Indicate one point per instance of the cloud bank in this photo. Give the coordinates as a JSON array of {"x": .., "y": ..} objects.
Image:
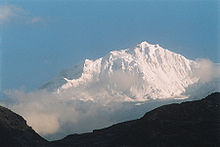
[
  {"x": 208, "y": 74},
  {"x": 54, "y": 117}
]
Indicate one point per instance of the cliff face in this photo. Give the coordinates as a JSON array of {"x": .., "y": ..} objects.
[
  {"x": 195, "y": 123},
  {"x": 15, "y": 132}
]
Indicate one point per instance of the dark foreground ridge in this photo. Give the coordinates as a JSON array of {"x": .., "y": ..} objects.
[
  {"x": 189, "y": 124},
  {"x": 14, "y": 132}
]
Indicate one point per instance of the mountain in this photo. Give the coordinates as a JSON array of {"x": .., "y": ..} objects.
[
  {"x": 144, "y": 72},
  {"x": 15, "y": 132},
  {"x": 193, "y": 123}
]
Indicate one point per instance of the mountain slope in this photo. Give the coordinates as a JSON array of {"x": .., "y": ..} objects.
[
  {"x": 195, "y": 123},
  {"x": 15, "y": 132},
  {"x": 136, "y": 74}
]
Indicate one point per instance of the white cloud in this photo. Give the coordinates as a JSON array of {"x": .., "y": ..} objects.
[
  {"x": 55, "y": 116},
  {"x": 206, "y": 70},
  {"x": 11, "y": 13},
  {"x": 208, "y": 74},
  {"x": 73, "y": 110}
]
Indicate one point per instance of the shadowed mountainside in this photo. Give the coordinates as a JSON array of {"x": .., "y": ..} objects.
[
  {"x": 14, "y": 131},
  {"x": 194, "y": 123}
]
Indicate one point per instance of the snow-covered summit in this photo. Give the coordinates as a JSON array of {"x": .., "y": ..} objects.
[{"x": 136, "y": 74}]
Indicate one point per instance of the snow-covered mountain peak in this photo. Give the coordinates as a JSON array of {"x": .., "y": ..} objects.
[
  {"x": 148, "y": 47},
  {"x": 135, "y": 74},
  {"x": 145, "y": 44}
]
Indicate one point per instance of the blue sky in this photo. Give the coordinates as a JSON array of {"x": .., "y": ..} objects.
[{"x": 40, "y": 38}]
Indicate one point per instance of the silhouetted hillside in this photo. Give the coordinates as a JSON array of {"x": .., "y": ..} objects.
[
  {"x": 189, "y": 124},
  {"x": 14, "y": 132}
]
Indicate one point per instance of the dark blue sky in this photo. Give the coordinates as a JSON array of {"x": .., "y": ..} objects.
[{"x": 40, "y": 38}]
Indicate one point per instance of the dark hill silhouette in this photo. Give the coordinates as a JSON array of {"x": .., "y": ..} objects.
[
  {"x": 191, "y": 124},
  {"x": 14, "y": 132}
]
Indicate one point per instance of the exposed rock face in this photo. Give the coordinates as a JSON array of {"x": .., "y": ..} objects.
[
  {"x": 191, "y": 124},
  {"x": 14, "y": 131}
]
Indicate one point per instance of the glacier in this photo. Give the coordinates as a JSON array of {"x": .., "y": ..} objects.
[{"x": 137, "y": 74}]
